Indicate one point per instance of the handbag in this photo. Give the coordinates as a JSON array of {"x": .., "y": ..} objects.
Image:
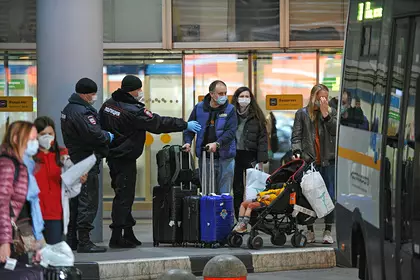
[{"x": 23, "y": 236}]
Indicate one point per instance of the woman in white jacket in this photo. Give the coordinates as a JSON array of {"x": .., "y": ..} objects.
[{"x": 54, "y": 196}]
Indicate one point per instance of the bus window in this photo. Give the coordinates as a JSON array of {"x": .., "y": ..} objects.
[
  {"x": 409, "y": 143},
  {"x": 394, "y": 117}
]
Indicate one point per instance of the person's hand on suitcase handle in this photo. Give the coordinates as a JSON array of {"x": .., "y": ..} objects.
[
  {"x": 212, "y": 147},
  {"x": 186, "y": 148}
]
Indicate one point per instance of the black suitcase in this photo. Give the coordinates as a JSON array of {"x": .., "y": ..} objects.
[
  {"x": 191, "y": 220},
  {"x": 62, "y": 273},
  {"x": 167, "y": 214}
]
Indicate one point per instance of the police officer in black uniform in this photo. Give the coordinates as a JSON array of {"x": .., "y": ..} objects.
[
  {"x": 128, "y": 119},
  {"x": 83, "y": 136}
]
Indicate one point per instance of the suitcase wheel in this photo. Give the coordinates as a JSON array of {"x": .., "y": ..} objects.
[{"x": 155, "y": 244}]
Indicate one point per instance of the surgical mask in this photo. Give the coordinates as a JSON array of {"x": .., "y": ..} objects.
[
  {"x": 32, "y": 147},
  {"x": 94, "y": 98},
  {"x": 221, "y": 100},
  {"x": 140, "y": 97},
  {"x": 244, "y": 101},
  {"x": 45, "y": 141},
  {"x": 317, "y": 103}
]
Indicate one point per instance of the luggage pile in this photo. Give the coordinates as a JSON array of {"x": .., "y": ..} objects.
[{"x": 182, "y": 215}]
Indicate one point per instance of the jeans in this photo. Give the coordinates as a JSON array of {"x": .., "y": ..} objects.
[
  {"x": 224, "y": 172},
  {"x": 328, "y": 174}
]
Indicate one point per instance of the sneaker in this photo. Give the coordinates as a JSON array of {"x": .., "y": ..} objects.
[
  {"x": 328, "y": 239},
  {"x": 240, "y": 228},
  {"x": 310, "y": 236}
]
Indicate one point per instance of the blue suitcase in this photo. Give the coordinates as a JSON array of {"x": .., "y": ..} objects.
[{"x": 216, "y": 211}]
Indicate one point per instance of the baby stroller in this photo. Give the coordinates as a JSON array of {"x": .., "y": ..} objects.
[{"x": 284, "y": 214}]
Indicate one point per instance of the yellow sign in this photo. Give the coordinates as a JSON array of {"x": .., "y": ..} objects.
[
  {"x": 149, "y": 139},
  {"x": 165, "y": 138},
  {"x": 283, "y": 101},
  {"x": 201, "y": 98},
  {"x": 16, "y": 104}
]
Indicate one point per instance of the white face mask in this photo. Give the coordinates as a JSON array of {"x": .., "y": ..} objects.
[
  {"x": 140, "y": 97},
  {"x": 45, "y": 141},
  {"x": 94, "y": 98},
  {"x": 32, "y": 147},
  {"x": 244, "y": 101}
]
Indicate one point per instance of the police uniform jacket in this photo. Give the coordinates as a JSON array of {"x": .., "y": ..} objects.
[
  {"x": 129, "y": 120},
  {"x": 82, "y": 132}
]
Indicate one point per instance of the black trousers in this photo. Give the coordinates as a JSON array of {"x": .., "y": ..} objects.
[
  {"x": 53, "y": 231},
  {"x": 123, "y": 181},
  {"x": 84, "y": 207},
  {"x": 243, "y": 161}
]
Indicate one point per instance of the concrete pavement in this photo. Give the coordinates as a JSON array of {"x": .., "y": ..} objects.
[{"x": 148, "y": 262}]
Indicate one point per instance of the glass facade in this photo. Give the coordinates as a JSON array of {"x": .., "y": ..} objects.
[
  {"x": 225, "y": 20},
  {"x": 246, "y": 43}
]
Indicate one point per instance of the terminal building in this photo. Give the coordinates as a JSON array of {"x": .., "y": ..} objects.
[{"x": 176, "y": 47}]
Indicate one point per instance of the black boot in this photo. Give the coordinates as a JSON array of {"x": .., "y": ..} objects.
[
  {"x": 87, "y": 246},
  {"x": 129, "y": 235},
  {"x": 117, "y": 241}
]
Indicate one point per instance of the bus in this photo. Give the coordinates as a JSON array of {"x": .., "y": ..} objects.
[{"x": 378, "y": 141}]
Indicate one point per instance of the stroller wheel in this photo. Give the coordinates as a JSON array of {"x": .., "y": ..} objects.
[
  {"x": 299, "y": 240},
  {"x": 235, "y": 240},
  {"x": 256, "y": 242},
  {"x": 279, "y": 239}
]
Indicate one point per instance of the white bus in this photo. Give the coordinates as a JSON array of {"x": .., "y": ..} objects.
[{"x": 378, "y": 143}]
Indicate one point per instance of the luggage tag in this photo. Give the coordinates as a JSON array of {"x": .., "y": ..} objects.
[{"x": 10, "y": 264}]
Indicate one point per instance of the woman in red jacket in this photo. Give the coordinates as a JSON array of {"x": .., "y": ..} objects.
[
  {"x": 20, "y": 136},
  {"x": 48, "y": 176}
]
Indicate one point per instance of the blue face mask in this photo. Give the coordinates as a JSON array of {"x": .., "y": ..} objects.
[
  {"x": 32, "y": 147},
  {"x": 221, "y": 100}
]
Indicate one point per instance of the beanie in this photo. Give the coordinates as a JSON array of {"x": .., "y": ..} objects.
[
  {"x": 86, "y": 85},
  {"x": 131, "y": 83}
]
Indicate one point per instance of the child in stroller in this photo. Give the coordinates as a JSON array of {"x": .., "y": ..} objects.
[
  {"x": 277, "y": 211},
  {"x": 263, "y": 199}
]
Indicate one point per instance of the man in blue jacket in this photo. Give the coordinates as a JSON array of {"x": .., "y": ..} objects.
[{"x": 218, "y": 117}]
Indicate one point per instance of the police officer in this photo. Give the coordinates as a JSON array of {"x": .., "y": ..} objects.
[
  {"x": 126, "y": 117},
  {"x": 83, "y": 136}
]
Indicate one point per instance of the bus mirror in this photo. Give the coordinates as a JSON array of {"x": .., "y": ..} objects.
[{"x": 417, "y": 109}]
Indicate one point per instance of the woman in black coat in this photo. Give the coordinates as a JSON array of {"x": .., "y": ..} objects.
[{"x": 251, "y": 141}]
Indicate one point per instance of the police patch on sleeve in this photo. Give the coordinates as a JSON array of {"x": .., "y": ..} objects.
[
  {"x": 148, "y": 113},
  {"x": 92, "y": 120}
]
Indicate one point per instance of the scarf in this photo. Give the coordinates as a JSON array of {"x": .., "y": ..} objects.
[{"x": 33, "y": 198}]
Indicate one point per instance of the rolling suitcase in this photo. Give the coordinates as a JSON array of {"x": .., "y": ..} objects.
[
  {"x": 216, "y": 211},
  {"x": 191, "y": 220},
  {"x": 167, "y": 211}
]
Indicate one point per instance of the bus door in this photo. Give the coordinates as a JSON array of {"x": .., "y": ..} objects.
[{"x": 399, "y": 185}]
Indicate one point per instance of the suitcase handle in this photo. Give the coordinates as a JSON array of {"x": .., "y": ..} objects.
[
  {"x": 189, "y": 164},
  {"x": 206, "y": 188}
]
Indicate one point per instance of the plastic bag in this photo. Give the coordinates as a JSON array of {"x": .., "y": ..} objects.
[
  {"x": 315, "y": 191},
  {"x": 255, "y": 182},
  {"x": 59, "y": 254}
]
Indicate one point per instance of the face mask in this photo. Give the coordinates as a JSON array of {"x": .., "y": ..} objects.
[
  {"x": 32, "y": 147},
  {"x": 317, "y": 103},
  {"x": 94, "y": 98},
  {"x": 244, "y": 101},
  {"x": 140, "y": 97},
  {"x": 221, "y": 100},
  {"x": 45, "y": 141}
]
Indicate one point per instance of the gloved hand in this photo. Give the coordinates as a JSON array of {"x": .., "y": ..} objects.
[
  {"x": 111, "y": 136},
  {"x": 193, "y": 126}
]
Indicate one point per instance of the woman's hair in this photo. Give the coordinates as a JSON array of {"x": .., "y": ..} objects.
[
  {"x": 17, "y": 136},
  {"x": 253, "y": 106},
  {"x": 43, "y": 122},
  {"x": 314, "y": 92}
]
